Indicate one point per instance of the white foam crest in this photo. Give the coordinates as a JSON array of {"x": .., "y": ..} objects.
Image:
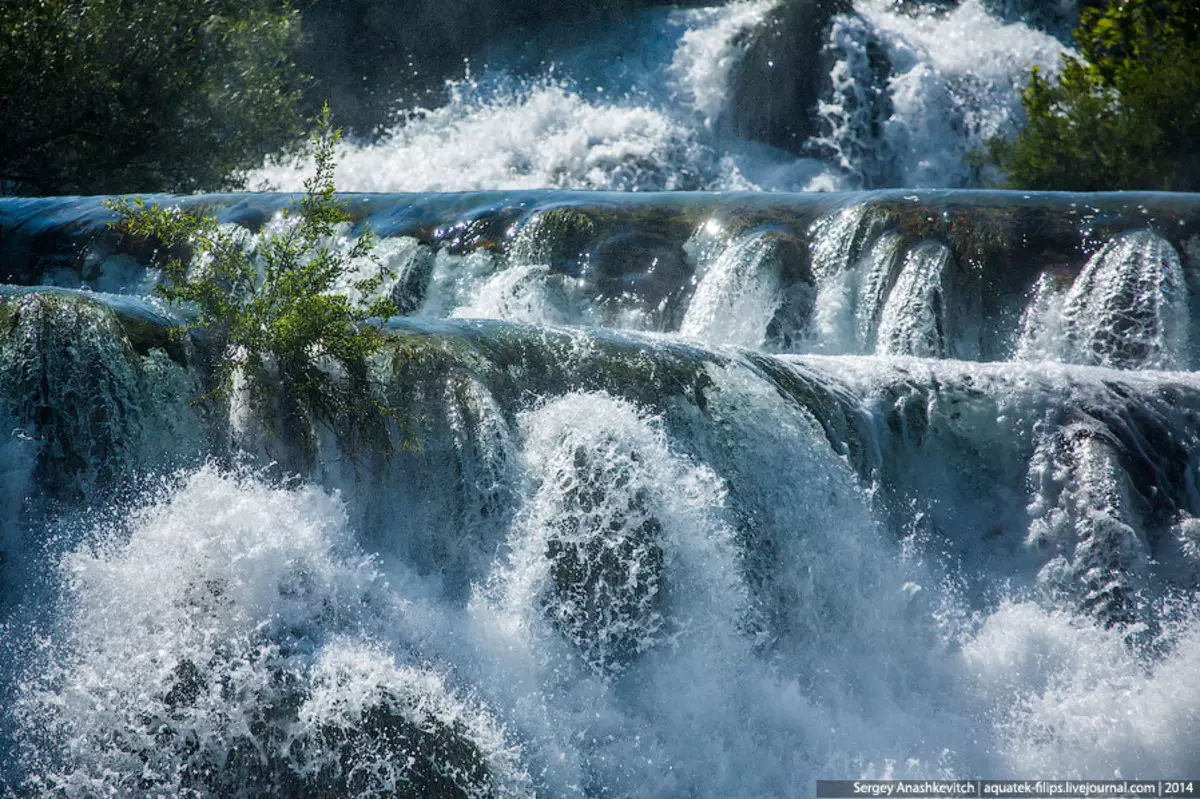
[
  {"x": 182, "y": 644},
  {"x": 1072, "y": 700},
  {"x": 542, "y": 136},
  {"x": 695, "y": 710},
  {"x": 601, "y": 521},
  {"x": 356, "y": 687},
  {"x": 956, "y": 82}
]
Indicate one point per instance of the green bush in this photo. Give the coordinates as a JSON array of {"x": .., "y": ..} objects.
[
  {"x": 1124, "y": 115},
  {"x": 107, "y": 96},
  {"x": 272, "y": 314}
]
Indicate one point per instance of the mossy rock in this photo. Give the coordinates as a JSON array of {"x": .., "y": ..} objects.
[
  {"x": 82, "y": 379},
  {"x": 557, "y": 237}
]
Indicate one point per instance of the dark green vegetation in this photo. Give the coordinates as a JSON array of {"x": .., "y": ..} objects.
[
  {"x": 271, "y": 312},
  {"x": 123, "y": 96},
  {"x": 106, "y": 96},
  {"x": 1125, "y": 115}
]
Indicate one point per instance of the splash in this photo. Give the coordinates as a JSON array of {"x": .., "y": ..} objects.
[
  {"x": 907, "y": 98},
  {"x": 231, "y": 638}
]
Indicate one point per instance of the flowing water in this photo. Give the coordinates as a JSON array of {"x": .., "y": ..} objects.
[
  {"x": 692, "y": 494},
  {"x": 646, "y": 106}
]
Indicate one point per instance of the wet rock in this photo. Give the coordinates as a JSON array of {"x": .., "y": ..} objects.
[
  {"x": 557, "y": 237},
  {"x": 94, "y": 387},
  {"x": 606, "y": 562},
  {"x": 776, "y": 85},
  {"x": 436, "y": 760}
]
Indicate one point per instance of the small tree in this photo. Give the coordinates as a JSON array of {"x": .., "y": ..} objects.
[
  {"x": 1126, "y": 115},
  {"x": 273, "y": 313}
]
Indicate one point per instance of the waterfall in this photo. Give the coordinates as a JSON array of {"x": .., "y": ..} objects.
[
  {"x": 643, "y": 105},
  {"x": 1129, "y": 308},
  {"x": 698, "y": 495},
  {"x": 914, "y": 319},
  {"x": 738, "y": 294}
]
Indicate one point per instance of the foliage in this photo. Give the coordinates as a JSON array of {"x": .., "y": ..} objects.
[
  {"x": 273, "y": 313},
  {"x": 1124, "y": 115},
  {"x": 106, "y": 96}
]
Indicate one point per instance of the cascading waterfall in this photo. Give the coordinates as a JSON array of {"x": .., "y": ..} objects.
[
  {"x": 906, "y": 97},
  {"x": 1128, "y": 308},
  {"x": 738, "y": 293},
  {"x": 915, "y": 318},
  {"x": 1091, "y": 523},
  {"x": 691, "y": 494}
]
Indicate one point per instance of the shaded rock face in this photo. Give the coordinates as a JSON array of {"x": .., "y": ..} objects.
[{"x": 776, "y": 86}]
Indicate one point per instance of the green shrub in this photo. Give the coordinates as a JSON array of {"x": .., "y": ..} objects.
[
  {"x": 273, "y": 314},
  {"x": 1124, "y": 115},
  {"x": 108, "y": 96}
]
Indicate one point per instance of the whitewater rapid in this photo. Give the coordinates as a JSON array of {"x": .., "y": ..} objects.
[
  {"x": 643, "y": 108},
  {"x": 693, "y": 494}
]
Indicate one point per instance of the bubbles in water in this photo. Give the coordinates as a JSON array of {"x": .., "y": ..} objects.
[{"x": 230, "y": 638}]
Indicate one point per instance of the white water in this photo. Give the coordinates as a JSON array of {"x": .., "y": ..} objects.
[
  {"x": 956, "y": 82},
  {"x": 915, "y": 318},
  {"x": 1128, "y": 308},
  {"x": 720, "y": 584},
  {"x": 698, "y": 668},
  {"x": 638, "y": 109},
  {"x": 186, "y": 632},
  {"x": 738, "y": 293}
]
